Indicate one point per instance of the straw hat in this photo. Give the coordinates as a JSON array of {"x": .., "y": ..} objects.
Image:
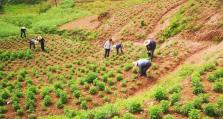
[{"x": 39, "y": 37}]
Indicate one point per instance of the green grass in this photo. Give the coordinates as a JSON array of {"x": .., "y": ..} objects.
[{"x": 41, "y": 18}]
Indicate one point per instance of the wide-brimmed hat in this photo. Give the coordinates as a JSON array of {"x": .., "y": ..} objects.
[{"x": 39, "y": 37}]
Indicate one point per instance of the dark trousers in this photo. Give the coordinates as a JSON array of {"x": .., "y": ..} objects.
[
  {"x": 107, "y": 52},
  {"x": 31, "y": 44},
  {"x": 42, "y": 46},
  {"x": 23, "y": 33},
  {"x": 117, "y": 49},
  {"x": 143, "y": 70},
  {"x": 151, "y": 54}
]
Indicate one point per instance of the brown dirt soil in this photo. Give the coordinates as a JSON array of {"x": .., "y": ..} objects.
[{"x": 90, "y": 22}]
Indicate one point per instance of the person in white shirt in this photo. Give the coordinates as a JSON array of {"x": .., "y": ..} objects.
[
  {"x": 33, "y": 42},
  {"x": 107, "y": 47}
]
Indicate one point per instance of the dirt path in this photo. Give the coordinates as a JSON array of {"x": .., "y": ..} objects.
[{"x": 90, "y": 22}]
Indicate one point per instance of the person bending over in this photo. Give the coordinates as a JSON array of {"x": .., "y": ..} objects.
[{"x": 143, "y": 65}]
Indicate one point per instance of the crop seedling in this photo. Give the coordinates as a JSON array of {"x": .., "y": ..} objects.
[
  {"x": 194, "y": 114},
  {"x": 160, "y": 94},
  {"x": 119, "y": 77},
  {"x": 134, "y": 107},
  {"x": 186, "y": 108},
  {"x": 210, "y": 109},
  {"x": 164, "y": 104},
  {"x": 154, "y": 112},
  {"x": 168, "y": 116},
  {"x": 93, "y": 90}
]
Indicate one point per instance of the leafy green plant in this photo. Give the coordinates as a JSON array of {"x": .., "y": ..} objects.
[
  {"x": 194, "y": 114},
  {"x": 160, "y": 94},
  {"x": 218, "y": 86},
  {"x": 210, "y": 109},
  {"x": 168, "y": 116},
  {"x": 100, "y": 86},
  {"x": 47, "y": 100},
  {"x": 91, "y": 77},
  {"x": 128, "y": 67},
  {"x": 119, "y": 77},
  {"x": 165, "y": 105},
  {"x": 93, "y": 90},
  {"x": 175, "y": 97},
  {"x": 186, "y": 108},
  {"x": 154, "y": 112},
  {"x": 134, "y": 107}
]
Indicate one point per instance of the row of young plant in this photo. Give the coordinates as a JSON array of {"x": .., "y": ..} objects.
[
  {"x": 13, "y": 55},
  {"x": 217, "y": 78}
]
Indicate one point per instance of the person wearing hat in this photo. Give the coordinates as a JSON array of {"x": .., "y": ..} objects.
[
  {"x": 151, "y": 46},
  {"x": 143, "y": 65},
  {"x": 107, "y": 47},
  {"x": 23, "y": 32},
  {"x": 42, "y": 42}
]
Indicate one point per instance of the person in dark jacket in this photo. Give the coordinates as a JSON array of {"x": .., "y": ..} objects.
[
  {"x": 151, "y": 46},
  {"x": 23, "y": 32},
  {"x": 143, "y": 65},
  {"x": 119, "y": 47},
  {"x": 42, "y": 42}
]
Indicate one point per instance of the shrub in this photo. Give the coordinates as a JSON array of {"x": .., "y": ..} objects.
[
  {"x": 186, "y": 108},
  {"x": 175, "y": 97},
  {"x": 47, "y": 100},
  {"x": 5, "y": 95},
  {"x": 154, "y": 112},
  {"x": 20, "y": 112},
  {"x": 93, "y": 90},
  {"x": 168, "y": 116},
  {"x": 175, "y": 89},
  {"x": 59, "y": 104},
  {"x": 105, "y": 77},
  {"x": 210, "y": 109},
  {"x": 77, "y": 93},
  {"x": 45, "y": 92},
  {"x": 198, "y": 88},
  {"x": 160, "y": 94},
  {"x": 128, "y": 67},
  {"x": 101, "y": 86},
  {"x": 84, "y": 105},
  {"x": 127, "y": 116},
  {"x": 91, "y": 77},
  {"x": 218, "y": 86},
  {"x": 165, "y": 106},
  {"x": 70, "y": 113},
  {"x": 111, "y": 82},
  {"x": 194, "y": 114},
  {"x": 119, "y": 77},
  {"x": 63, "y": 97},
  {"x": 134, "y": 107}
]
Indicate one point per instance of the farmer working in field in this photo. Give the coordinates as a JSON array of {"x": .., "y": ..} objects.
[
  {"x": 151, "y": 46},
  {"x": 107, "y": 47},
  {"x": 143, "y": 65},
  {"x": 118, "y": 46},
  {"x": 23, "y": 32},
  {"x": 32, "y": 42},
  {"x": 42, "y": 42}
]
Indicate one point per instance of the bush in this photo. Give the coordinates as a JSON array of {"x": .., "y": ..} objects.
[
  {"x": 186, "y": 108},
  {"x": 111, "y": 82},
  {"x": 20, "y": 112},
  {"x": 119, "y": 77},
  {"x": 93, "y": 90},
  {"x": 84, "y": 105},
  {"x": 134, "y": 107},
  {"x": 175, "y": 97},
  {"x": 105, "y": 77},
  {"x": 210, "y": 109},
  {"x": 175, "y": 89},
  {"x": 218, "y": 86},
  {"x": 70, "y": 113},
  {"x": 168, "y": 116},
  {"x": 165, "y": 106},
  {"x": 128, "y": 67},
  {"x": 160, "y": 94},
  {"x": 59, "y": 104},
  {"x": 100, "y": 86},
  {"x": 63, "y": 97},
  {"x": 47, "y": 100},
  {"x": 91, "y": 77},
  {"x": 198, "y": 89},
  {"x": 194, "y": 114},
  {"x": 77, "y": 93},
  {"x": 154, "y": 112}
]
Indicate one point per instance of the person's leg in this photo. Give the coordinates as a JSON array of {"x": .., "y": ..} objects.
[
  {"x": 140, "y": 71},
  {"x": 145, "y": 70},
  {"x": 34, "y": 46},
  {"x": 117, "y": 51},
  {"x": 30, "y": 45},
  {"x": 21, "y": 34},
  {"x": 108, "y": 52},
  {"x": 24, "y": 34},
  {"x": 43, "y": 47},
  {"x": 121, "y": 50},
  {"x": 105, "y": 53}
]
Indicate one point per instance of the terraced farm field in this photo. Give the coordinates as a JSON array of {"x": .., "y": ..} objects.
[{"x": 72, "y": 79}]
